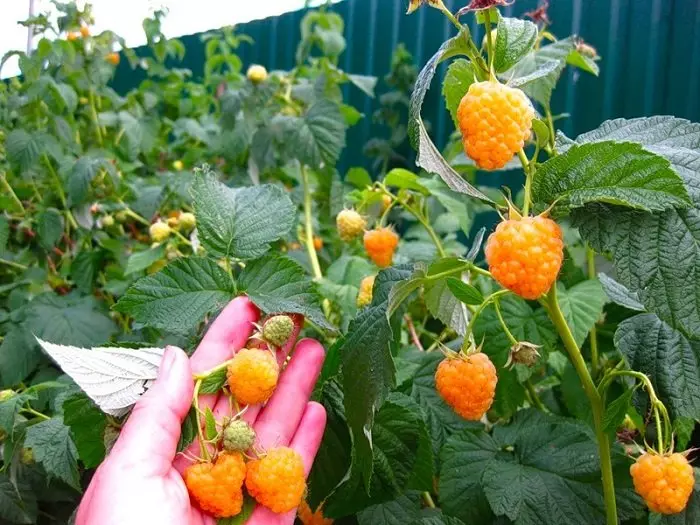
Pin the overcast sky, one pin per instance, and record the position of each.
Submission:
(124, 17)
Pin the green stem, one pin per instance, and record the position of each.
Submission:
(489, 45)
(552, 131)
(597, 409)
(511, 337)
(136, 216)
(182, 238)
(593, 339)
(428, 500)
(450, 16)
(13, 264)
(12, 193)
(491, 298)
(33, 412)
(59, 189)
(200, 433)
(536, 401)
(95, 120)
(528, 181)
(309, 227)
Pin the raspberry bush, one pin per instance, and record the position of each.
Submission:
(541, 370)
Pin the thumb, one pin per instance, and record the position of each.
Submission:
(150, 436)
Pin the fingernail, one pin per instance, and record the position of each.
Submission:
(167, 363)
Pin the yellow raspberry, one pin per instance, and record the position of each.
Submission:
(664, 481)
(525, 255)
(187, 220)
(113, 58)
(159, 231)
(467, 384)
(308, 517)
(217, 488)
(318, 243)
(364, 296)
(85, 31)
(252, 376)
(72, 36)
(277, 480)
(257, 74)
(350, 224)
(178, 165)
(495, 121)
(380, 245)
(386, 201)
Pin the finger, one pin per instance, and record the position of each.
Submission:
(222, 409)
(306, 442)
(228, 333)
(280, 418)
(149, 438)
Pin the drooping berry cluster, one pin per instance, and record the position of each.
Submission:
(665, 481)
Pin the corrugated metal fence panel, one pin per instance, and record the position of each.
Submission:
(650, 50)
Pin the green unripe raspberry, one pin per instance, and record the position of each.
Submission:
(239, 436)
(107, 221)
(278, 329)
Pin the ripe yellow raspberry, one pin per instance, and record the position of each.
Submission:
(252, 376)
(217, 488)
(525, 255)
(380, 245)
(308, 517)
(495, 121)
(467, 384)
(257, 73)
(178, 165)
(664, 481)
(277, 480)
(72, 36)
(318, 243)
(113, 58)
(85, 31)
(350, 224)
(159, 231)
(364, 296)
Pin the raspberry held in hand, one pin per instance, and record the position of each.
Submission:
(238, 436)
(218, 488)
(525, 255)
(252, 376)
(495, 121)
(276, 481)
(380, 245)
(664, 481)
(278, 329)
(467, 384)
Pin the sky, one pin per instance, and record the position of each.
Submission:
(124, 18)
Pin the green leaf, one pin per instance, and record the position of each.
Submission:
(84, 269)
(9, 408)
(178, 297)
(465, 292)
(404, 179)
(23, 149)
(209, 424)
(537, 72)
(54, 449)
(87, 428)
(583, 62)
(456, 205)
(358, 177)
(525, 472)
(84, 171)
(671, 361)
(541, 132)
(280, 285)
(188, 432)
(441, 303)
(140, 261)
(514, 39)
(616, 411)
(19, 356)
(619, 294)
(403, 290)
(458, 79)
(69, 320)
(17, 501)
(611, 172)
(213, 382)
(429, 157)
(4, 232)
(582, 306)
(317, 137)
(240, 222)
(400, 511)
(49, 227)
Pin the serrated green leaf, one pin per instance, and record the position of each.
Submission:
(612, 172)
(459, 76)
(188, 432)
(403, 290)
(404, 179)
(671, 361)
(582, 306)
(139, 261)
(49, 227)
(280, 285)
(87, 425)
(616, 411)
(17, 501)
(619, 294)
(179, 296)
(19, 356)
(209, 424)
(400, 511)
(317, 137)
(456, 205)
(84, 269)
(440, 301)
(514, 39)
(54, 449)
(240, 222)
(464, 292)
(213, 382)
(23, 149)
(9, 408)
(82, 174)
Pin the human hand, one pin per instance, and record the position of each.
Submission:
(141, 482)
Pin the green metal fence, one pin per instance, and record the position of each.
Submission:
(650, 50)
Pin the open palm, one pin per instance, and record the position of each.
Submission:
(141, 482)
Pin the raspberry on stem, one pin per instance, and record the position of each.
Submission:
(350, 224)
(217, 488)
(278, 329)
(364, 296)
(252, 376)
(495, 121)
(664, 481)
(380, 245)
(467, 384)
(277, 480)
